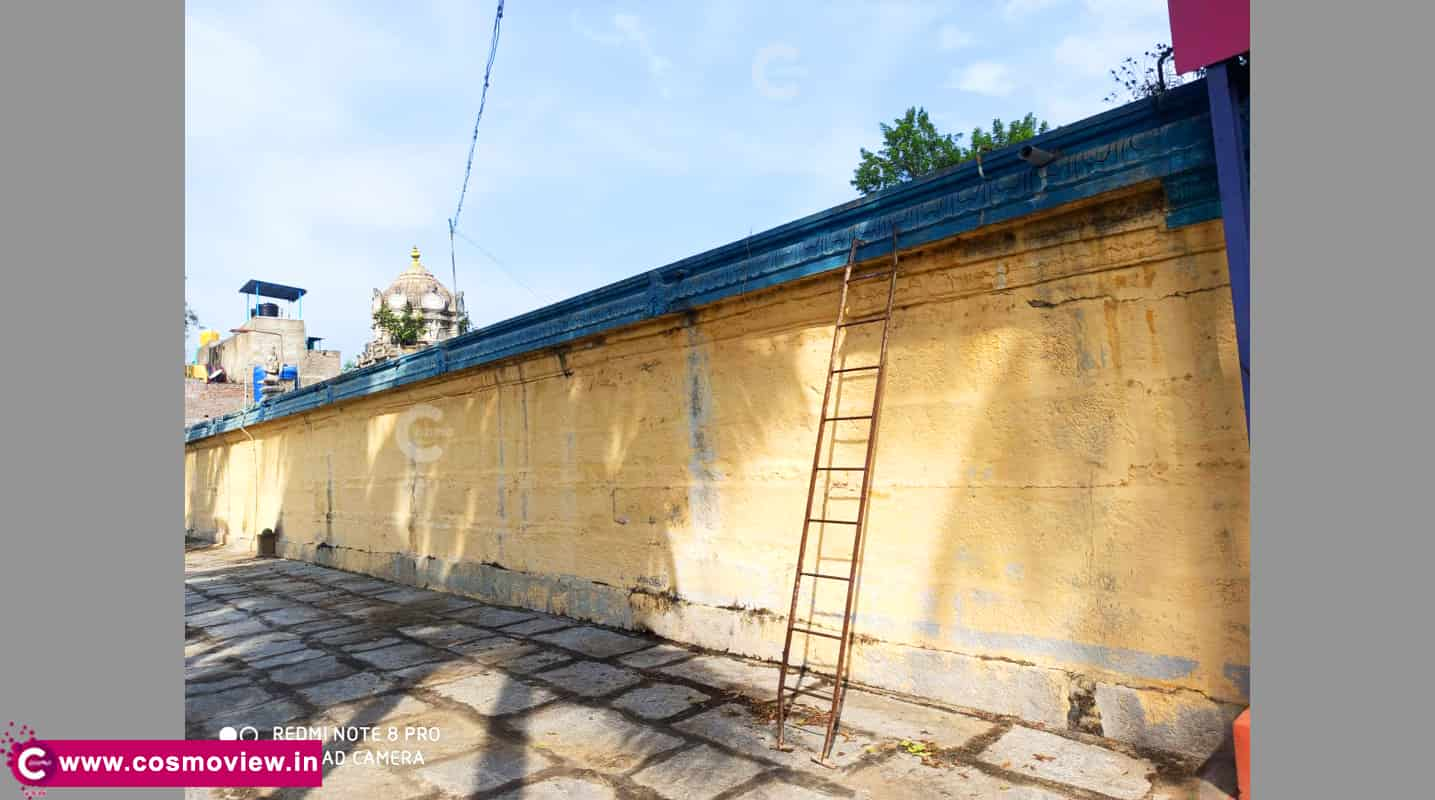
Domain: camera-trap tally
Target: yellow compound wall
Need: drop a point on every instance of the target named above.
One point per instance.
(1059, 520)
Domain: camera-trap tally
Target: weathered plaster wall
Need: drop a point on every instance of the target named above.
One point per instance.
(239, 353)
(1059, 517)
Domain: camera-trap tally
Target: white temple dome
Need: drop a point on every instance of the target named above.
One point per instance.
(414, 285)
(441, 312)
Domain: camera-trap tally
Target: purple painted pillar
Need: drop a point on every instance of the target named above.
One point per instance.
(1233, 175)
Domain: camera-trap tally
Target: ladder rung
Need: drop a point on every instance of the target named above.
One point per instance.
(842, 469)
(881, 273)
(793, 690)
(863, 321)
(805, 671)
(856, 369)
(829, 577)
(833, 521)
(811, 632)
(854, 416)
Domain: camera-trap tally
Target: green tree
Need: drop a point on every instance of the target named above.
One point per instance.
(404, 328)
(999, 136)
(912, 146)
(191, 319)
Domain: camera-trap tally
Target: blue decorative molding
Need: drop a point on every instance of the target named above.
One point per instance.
(1144, 141)
(1192, 197)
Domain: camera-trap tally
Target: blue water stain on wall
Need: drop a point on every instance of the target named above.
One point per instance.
(702, 455)
(1240, 677)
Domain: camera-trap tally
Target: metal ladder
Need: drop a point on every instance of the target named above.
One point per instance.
(784, 692)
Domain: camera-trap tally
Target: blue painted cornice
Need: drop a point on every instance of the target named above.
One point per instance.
(1167, 140)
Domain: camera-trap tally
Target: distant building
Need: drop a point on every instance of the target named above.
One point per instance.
(268, 331)
(416, 292)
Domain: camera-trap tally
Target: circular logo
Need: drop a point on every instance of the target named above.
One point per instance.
(34, 763)
(404, 433)
(762, 77)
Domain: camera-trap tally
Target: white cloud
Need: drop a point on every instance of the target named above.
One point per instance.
(627, 30)
(984, 77)
(768, 74)
(950, 37)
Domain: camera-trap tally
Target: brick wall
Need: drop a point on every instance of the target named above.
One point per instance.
(203, 400)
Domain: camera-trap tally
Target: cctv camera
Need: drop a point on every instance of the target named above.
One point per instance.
(1036, 156)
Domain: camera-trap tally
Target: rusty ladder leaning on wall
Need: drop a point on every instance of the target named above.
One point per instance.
(833, 370)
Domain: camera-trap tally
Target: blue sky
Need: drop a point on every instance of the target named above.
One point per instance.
(323, 141)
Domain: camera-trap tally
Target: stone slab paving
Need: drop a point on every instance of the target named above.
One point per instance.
(457, 735)
(285, 659)
(312, 671)
(220, 685)
(562, 789)
(521, 704)
(660, 701)
(441, 634)
(734, 726)
(428, 675)
(208, 705)
(700, 773)
(890, 718)
(495, 649)
(908, 775)
(359, 642)
(1061, 760)
(329, 693)
(263, 717)
(655, 656)
(261, 647)
(394, 709)
(782, 790)
(490, 617)
(600, 739)
(595, 642)
(403, 595)
(729, 674)
(494, 693)
(235, 629)
(543, 624)
(591, 679)
(481, 772)
(535, 661)
(399, 656)
(356, 781)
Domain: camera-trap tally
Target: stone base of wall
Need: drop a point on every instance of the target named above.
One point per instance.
(1179, 722)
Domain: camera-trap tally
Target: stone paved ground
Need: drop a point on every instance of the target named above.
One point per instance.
(525, 705)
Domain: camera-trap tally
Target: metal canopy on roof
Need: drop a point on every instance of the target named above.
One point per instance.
(275, 290)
